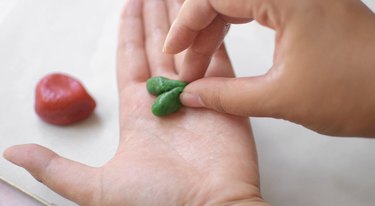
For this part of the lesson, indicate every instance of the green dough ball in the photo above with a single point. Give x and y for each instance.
(168, 102)
(159, 85)
(168, 92)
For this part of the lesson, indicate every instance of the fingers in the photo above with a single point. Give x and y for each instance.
(195, 15)
(173, 9)
(198, 56)
(132, 63)
(239, 96)
(156, 22)
(70, 179)
(220, 65)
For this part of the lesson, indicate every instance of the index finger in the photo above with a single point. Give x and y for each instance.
(195, 15)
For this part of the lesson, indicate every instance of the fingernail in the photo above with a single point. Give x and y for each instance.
(191, 100)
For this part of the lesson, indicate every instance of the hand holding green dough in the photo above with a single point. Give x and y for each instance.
(168, 91)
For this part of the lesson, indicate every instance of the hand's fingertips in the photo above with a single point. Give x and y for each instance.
(208, 93)
(173, 9)
(210, 38)
(178, 39)
(188, 24)
(170, 46)
(32, 157)
(198, 56)
(70, 179)
(11, 154)
(191, 100)
(252, 96)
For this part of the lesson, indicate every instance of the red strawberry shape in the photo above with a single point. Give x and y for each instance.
(61, 100)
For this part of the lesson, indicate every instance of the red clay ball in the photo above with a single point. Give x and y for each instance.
(62, 100)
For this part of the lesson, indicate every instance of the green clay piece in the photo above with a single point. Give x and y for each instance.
(167, 103)
(168, 92)
(159, 85)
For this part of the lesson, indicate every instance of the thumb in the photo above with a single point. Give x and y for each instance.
(250, 96)
(70, 179)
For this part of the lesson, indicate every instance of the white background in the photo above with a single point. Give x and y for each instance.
(298, 166)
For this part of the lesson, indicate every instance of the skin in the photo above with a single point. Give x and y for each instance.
(193, 157)
(323, 69)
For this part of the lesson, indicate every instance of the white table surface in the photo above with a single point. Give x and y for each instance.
(298, 167)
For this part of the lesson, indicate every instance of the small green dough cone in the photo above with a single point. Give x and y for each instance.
(159, 85)
(167, 103)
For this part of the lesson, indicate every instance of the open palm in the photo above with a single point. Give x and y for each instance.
(193, 157)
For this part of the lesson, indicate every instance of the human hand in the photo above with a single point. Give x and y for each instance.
(323, 70)
(193, 157)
